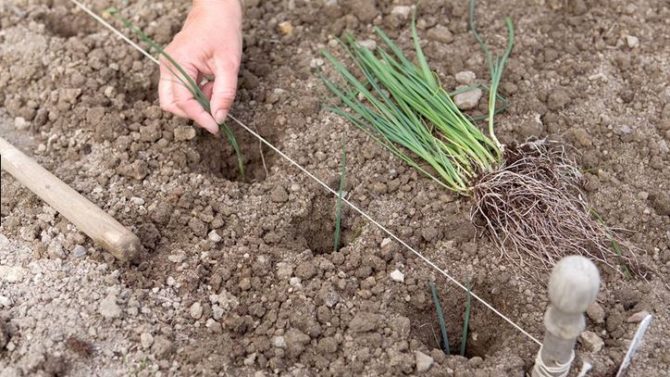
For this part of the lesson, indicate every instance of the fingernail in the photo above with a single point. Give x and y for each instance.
(220, 116)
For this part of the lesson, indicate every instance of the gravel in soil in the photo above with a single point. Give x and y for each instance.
(239, 276)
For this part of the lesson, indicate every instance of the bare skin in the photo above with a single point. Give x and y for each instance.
(209, 44)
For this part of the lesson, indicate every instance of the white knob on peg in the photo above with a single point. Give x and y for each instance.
(574, 284)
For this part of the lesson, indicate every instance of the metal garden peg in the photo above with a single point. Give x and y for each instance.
(573, 286)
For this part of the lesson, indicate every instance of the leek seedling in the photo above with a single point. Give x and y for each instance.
(340, 196)
(466, 322)
(440, 318)
(186, 80)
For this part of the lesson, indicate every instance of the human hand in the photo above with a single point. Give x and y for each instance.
(209, 44)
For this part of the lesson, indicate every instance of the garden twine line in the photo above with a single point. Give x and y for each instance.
(320, 182)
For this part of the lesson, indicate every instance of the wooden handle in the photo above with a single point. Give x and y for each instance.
(86, 216)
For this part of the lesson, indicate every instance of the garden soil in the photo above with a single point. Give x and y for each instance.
(238, 276)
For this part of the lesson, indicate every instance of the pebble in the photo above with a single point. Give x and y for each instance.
(183, 133)
(177, 257)
(591, 341)
(387, 245)
(440, 34)
(20, 123)
(146, 340)
(213, 325)
(596, 313)
(214, 236)
(401, 11)
(305, 270)
(279, 342)
(397, 276)
(12, 274)
(423, 361)
(364, 10)
(465, 77)
(468, 100)
(632, 41)
(170, 281)
(5, 302)
(429, 233)
(55, 249)
(286, 27)
(368, 43)
(284, 270)
(316, 63)
(79, 251)
(364, 322)
(637, 317)
(217, 312)
(108, 307)
(279, 195)
(196, 310)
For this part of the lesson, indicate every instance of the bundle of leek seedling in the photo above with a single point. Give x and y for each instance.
(526, 196)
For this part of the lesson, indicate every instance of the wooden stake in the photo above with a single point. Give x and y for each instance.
(86, 216)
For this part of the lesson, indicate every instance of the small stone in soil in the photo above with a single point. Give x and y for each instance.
(596, 313)
(146, 340)
(364, 10)
(196, 310)
(364, 322)
(284, 270)
(632, 41)
(397, 276)
(468, 100)
(12, 274)
(591, 341)
(305, 270)
(108, 307)
(440, 34)
(423, 361)
(79, 251)
(465, 77)
(279, 342)
(214, 236)
(369, 44)
(401, 11)
(20, 123)
(286, 27)
(183, 133)
(279, 195)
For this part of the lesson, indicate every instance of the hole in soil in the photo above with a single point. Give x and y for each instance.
(316, 231)
(485, 332)
(219, 158)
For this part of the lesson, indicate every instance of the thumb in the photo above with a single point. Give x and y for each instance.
(223, 91)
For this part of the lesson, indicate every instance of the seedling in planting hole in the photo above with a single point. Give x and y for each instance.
(466, 322)
(340, 196)
(178, 71)
(527, 197)
(440, 318)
